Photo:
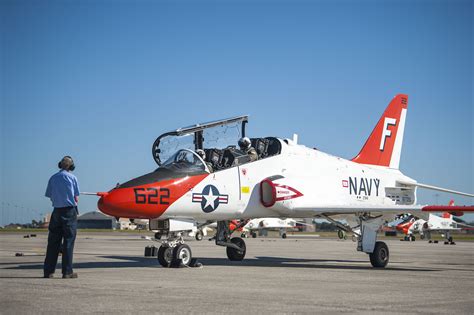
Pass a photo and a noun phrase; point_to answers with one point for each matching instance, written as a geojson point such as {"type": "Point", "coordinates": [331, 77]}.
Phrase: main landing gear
{"type": "Point", "coordinates": [365, 234]}
{"type": "Point", "coordinates": [235, 246]}
{"type": "Point", "coordinates": [448, 239]}
{"type": "Point", "coordinates": [379, 257]}
{"type": "Point", "coordinates": [173, 251]}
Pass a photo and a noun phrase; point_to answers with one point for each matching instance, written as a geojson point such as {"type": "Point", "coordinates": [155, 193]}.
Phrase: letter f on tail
{"type": "Point", "coordinates": [384, 145]}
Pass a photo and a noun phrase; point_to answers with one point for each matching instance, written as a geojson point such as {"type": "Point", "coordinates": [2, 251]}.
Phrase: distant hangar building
{"type": "Point", "coordinates": [96, 220]}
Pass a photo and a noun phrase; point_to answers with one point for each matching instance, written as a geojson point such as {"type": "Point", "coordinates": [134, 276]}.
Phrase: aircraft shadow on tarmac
{"type": "Point", "coordinates": [280, 262]}
{"type": "Point", "coordinates": [285, 262]}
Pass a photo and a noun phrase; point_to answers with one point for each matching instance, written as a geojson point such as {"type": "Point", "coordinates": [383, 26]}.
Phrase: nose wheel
{"type": "Point", "coordinates": [181, 255]}
{"type": "Point", "coordinates": [165, 255]}
{"type": "Point", "coordinates": [177, 256]}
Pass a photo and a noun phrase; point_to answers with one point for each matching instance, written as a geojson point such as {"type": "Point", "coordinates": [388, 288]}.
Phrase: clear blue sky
{"type": "Point", "coordinates": [100, 80]}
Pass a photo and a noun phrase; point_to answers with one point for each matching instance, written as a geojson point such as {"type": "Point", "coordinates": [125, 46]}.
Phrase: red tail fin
{"type": "Point", "coordinates": [384, 145]}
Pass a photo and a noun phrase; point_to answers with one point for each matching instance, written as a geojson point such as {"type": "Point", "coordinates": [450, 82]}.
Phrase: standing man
{"type": "Point", "coordinates": [63, 190]}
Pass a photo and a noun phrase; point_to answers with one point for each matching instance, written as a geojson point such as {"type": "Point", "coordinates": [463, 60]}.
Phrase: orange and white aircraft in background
{"type": "Point", "coordinates": [288, 180]}
{"type": "Point", "coordinates": [409, 225]}
{"type": "Point", "coordinates": [282, 225]}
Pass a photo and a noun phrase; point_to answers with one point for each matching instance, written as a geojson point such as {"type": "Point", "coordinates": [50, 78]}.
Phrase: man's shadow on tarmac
{"type": "Point", "coordinates": [259, 261]}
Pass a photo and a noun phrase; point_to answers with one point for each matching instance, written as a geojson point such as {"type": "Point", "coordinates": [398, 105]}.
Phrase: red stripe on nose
{"type": "Point", "coordinates": [146, 201]}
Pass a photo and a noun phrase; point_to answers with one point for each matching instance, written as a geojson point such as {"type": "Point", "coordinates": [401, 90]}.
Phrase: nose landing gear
{"type": "Point", "coordinates": [173, 252]}
{"type": "Point", "coordinates": [165, 255]}
{"type": "Point", "coordinates": [182, 256]}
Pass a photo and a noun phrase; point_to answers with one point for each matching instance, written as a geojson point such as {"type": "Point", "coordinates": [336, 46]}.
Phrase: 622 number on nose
{"type": "Point", "coordinates": [151, 196]}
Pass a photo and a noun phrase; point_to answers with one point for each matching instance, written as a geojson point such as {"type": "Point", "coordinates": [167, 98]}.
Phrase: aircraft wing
{"type": "Point", "coordinates": [351, 209]}
{"type": "Point", "coordinates": [412, 184]}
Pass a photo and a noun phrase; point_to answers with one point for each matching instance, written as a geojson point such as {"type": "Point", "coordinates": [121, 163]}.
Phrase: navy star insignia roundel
{"type": "Point", "coordinates": [210, 198]}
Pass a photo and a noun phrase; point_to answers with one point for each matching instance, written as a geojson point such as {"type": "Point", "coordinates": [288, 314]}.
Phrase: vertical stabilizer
{"type": "Point", "coordinates": [384, 145]}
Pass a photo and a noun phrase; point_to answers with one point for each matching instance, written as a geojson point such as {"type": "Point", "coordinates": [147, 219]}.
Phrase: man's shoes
{"type": "Point", "coordinates": [48, 275]}
{"type": "Point", "coordinates": [70, 276]}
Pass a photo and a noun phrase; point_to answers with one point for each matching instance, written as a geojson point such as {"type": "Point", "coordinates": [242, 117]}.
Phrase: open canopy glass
{"type": "Point", "coordinates": [215, 134]}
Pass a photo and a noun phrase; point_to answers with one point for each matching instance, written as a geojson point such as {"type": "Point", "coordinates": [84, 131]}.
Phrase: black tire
{"type": "Point", "coordinates": [157, 235]}
{"type": "Point", "coordinates": [235, 254]}
{"type": "Point", "coordinates": [412, 238]}
{"type": "Point", "coordinates": [254, 235]}
{"type": "Point", "coordinates": [283, 235]}
{"type": "Point", "coordinates": [379, 258]}
{"type": "Point", "coordinates": [165, 255]}
{"type": "Point", "coordinates": [182, 255]}
{"type": "Point", "coordinates": [199, 236]}
{"type": "Point", "coordinates": [243, 235]}
{"type": "Point", "coordinates": [341, 234]}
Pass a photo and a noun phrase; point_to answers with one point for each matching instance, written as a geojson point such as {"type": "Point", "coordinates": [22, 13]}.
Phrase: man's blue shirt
{"type": "Point", "coordinates": [62, 188]}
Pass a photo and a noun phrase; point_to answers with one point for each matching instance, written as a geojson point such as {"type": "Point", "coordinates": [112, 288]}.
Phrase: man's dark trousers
{"type": "Point", "coordinates": [63, 225]}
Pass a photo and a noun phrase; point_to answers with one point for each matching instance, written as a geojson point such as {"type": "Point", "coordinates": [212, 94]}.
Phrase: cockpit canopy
{"type": "Point", "coordinates": [185, 160]}
{"type": "Point", "coordinates": [218, 139]}
{"type": "Point", "coordinates": [217, 134]}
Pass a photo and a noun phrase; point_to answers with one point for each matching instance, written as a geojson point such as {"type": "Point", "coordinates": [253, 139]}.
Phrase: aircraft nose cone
{"type": "Point", "coordinates": [104, 205]}
{"type": "Point", "coordinates": [132, 202]}
{"type": "Point", "coordinates": [110, 204]}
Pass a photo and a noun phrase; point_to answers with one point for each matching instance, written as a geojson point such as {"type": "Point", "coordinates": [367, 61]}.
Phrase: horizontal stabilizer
{"type": "Point", "coordinates": [448, 208]}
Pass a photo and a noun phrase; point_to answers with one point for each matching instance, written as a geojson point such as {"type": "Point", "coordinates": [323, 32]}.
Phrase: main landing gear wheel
{"type": "Point", "coordinates": [199, 236]}
{"type": "Point", "coordinates": [379, 258]}
{"type": "Point", "coordinates": [181, 256]}
{"type": "Point", "coordinates": [165, 255]}
{"type": "Point", "coordinates": [283, 235]}
{"type": "Point", "coordinates": [235, 254]}
{"type": "Point", "coordinates": [254, 235]}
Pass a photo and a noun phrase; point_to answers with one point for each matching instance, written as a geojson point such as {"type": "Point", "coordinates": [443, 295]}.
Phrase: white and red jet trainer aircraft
{"type": "Point", "coordinates": [410, 224]}
{"type": "Point", "coordinates": [282, 225]}
{"type": "Point", "coordinates": [287, 181]}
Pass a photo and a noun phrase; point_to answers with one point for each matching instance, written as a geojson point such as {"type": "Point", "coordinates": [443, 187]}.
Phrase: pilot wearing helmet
{"type": "Point", "coordinates": [246, 146]}
{"type": "Point", "coordinates": [202, 154]}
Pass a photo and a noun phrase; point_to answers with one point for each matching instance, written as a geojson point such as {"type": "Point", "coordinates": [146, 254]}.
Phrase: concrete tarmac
{"type": "Point", "coordinates": [293, 275]}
